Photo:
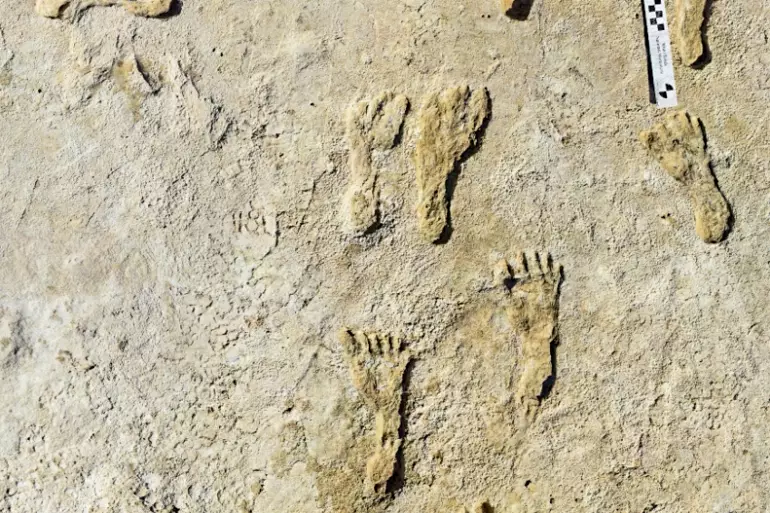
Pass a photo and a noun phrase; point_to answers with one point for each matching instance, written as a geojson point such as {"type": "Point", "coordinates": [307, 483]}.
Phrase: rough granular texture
{"type": "Point", "coordinates": [181, 245]}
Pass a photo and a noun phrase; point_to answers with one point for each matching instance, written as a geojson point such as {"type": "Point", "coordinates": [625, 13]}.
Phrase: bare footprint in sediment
{"type": "Point", "coordinates": [532, 309]}
{"type": "Point", "coordinates": [144, 8]}
{"type": "Point", "coordinates": [679, 144]}
{"type": "Point", "coordinates": [449, 126]}
{"type": "Point", "coordinates": [688, 26]}
{"type": "Point", "coordinates": [377, 364]}
{"type": "Point", "coordinates": [371, 125]}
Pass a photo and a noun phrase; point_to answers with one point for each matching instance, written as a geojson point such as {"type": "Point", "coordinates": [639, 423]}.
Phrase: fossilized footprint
{"type": "Point", "coordinates": [146, 8]}
{"type": "Point", "coordinates": [377, 363]}
{"type": "Point", "coordinates": [449, 125]}
{"type": "Point", "coordinates": [371, 125]}
{"type": "Point", "coordinates": [533, 312]}
{"type": "Point", "coordinates": [678, 143]}
{"type": "Point", "coordinates": [688, 22]}
{"type": "Point", "coordinates": [516, 9]}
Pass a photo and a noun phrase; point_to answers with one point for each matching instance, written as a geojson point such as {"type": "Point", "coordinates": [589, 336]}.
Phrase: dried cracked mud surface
{"type": "Point", "coordinates": [219, 291]}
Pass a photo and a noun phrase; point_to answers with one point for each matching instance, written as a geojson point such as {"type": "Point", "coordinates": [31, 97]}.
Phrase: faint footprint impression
{"type": "Point", "coordinates": [145, 8]}
{"type": "Point", "coordinates": [449, 125]}
{"type": "Point", "coordinates": [679, 144]}
{"type": "Point", "coordinates": [371, 125]}
{"type": "Point", "coordinates": [532, 308]}
{"type": "Point", "coordinates": [254, 230]}
{"type": "Point", "coordinates": [377, 363]}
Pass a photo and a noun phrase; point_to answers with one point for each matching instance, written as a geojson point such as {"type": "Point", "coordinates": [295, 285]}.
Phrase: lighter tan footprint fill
{"type": "Point", "coordinates": [678, 143]}
{"type": "Point", "coordinates": [377, 363]}
{"type": "Point", "coordinates": [371, 125]}
{"type": "Point", "coordinates": [145, 8]}
{"type": "Point", "coordinates": [449, 124]}
{"type": "Point", "coordinates": [688, 23]}
{"type": "Point", "coordinates": [532, 309]}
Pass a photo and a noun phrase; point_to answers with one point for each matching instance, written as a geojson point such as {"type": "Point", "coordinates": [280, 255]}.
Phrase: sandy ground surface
{"type": "Point", "coordinates": [178, 257]}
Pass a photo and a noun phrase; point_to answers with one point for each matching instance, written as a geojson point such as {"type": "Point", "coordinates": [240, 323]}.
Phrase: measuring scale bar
{"type": "Point", "coordinates": [659, 46]}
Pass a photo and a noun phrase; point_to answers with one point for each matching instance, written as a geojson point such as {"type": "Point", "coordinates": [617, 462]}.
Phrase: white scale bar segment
{"type": "Point", "coordinates": [659, 44]}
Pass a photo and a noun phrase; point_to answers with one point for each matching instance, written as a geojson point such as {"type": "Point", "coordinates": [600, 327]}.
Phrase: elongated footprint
{"type": "Point", "coordinates": [371, 125]}
{"type": "Point", "coordinates": [377, 363]}
{"type": "Point", "coordinates": [144, 8]}
{"type": "Point", "coordinates": [533, 312]}
{"type": "Point", "coordinates": [688, 26]}
{"type": "Point", "coordinates": [679, 145]}
{"type": "Point", "coordinates": [449, 125]}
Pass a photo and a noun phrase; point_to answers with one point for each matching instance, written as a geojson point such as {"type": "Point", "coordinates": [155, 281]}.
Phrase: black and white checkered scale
{"type": "Point", "coordinates": [657, 19]}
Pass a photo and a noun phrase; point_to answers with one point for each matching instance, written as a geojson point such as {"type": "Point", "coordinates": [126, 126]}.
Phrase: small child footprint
{"type": "Point", "coordinates": [449, 124]}
{"type": "Point", "coordinates": [377, 363]}
{"type": "Point", "coordinates": [678, 143]}
{"type": "Point", "coordinates": [533, 312]}
{"type": "Point", "coordinates": [371, 125]}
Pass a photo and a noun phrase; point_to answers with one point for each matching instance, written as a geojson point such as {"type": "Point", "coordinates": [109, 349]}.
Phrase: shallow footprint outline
{"type": "Point", "coordinates": [679, 144]}
{"type": "Point", "coordinates": [377, 363]}
{"type": "Point", "coordinates": [371, 125]}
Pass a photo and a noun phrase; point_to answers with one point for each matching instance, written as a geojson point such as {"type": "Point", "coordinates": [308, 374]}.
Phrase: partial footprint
{"type": "Point", "coordinates": [679, 144]}
{"type": "Point", "coordinates": [688, 23]}
{"type": "Point", "coordinates": [145, 8]}
{"type": "Point", "coordinates": [480, 507]}
{"type": "Point", "coordinates": [516, 9]}
{"type": "Point", "coordinates": [254, 231]}
{"type": "Point", "coordinates": [449, 125]}
{"type": "Point", "coordinates": [533, 311]}
{"type": "Point", "coordinates": [377, 364]}
{"type": "Point", "coordinates": [132, 83]}
{"type": "Point", "coordinates": [50, 8]}
{"type": "Point", "coordinates": [371, 125]}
